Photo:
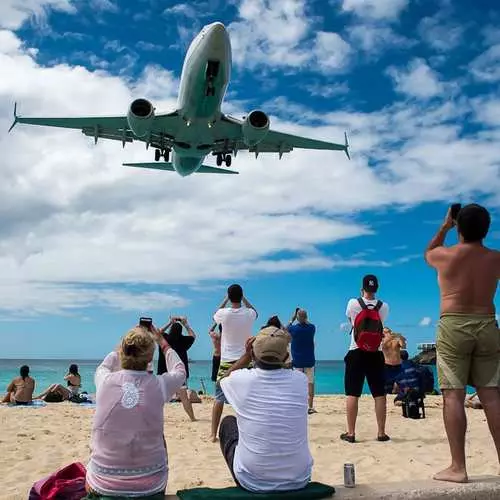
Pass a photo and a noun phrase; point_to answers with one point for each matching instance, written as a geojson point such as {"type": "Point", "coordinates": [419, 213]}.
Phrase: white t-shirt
{"type": "Point", "coordinates": [353, 309]}
{"type": "Point", "coordinates": [237, 323]}
{"type": "Point", "coordinates": [272, 453]}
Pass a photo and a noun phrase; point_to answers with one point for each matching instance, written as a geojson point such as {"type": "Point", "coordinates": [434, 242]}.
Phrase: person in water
{"type": "Point", "coordinates": [57, 392]}
{"type": "Point", "coordinates": [20, 390]}
{"type": "Point", "coordinates": [180, 344]}
{"type": "Point", "coordinates": [129, 454]}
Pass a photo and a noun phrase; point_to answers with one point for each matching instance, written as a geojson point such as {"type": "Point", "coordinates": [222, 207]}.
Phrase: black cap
{"type": "Point", "coordinates": [370, 283]}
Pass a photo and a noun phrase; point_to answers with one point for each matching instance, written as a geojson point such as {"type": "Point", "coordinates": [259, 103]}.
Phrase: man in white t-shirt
{"type": "Point", "coordinates": [361, 364]}
{"type": "Point", "coordinates": [266, 445]}
{"type": "Point", "coordinates": [236, 322]}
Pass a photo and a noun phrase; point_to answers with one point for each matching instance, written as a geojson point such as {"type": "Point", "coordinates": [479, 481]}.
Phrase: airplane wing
{"type": "Point", "coordinates": [230, 137]}
{"type": "Point", "coordinates": [111, 127]}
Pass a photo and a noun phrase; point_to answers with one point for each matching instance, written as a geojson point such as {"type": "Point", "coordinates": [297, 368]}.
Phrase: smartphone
{"type": "Point", "coordinates": [146, 322]}
{"type": "Point", "coordinates": [455, 208]}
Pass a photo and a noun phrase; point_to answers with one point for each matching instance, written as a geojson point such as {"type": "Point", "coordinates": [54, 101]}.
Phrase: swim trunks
{"type": "Point", "coordinates": [468, 351]}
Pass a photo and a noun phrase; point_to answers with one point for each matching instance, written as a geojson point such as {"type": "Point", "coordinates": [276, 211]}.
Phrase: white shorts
{"type": "Point", "coordinates": [309, 372]}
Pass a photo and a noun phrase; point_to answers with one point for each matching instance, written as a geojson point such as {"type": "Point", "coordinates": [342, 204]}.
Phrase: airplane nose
{"type": "Point", "coordinates": [217, 33]}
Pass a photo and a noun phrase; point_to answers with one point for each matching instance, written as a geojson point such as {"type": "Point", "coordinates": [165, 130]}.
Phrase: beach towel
{"type": "Point", "coordinates": [36, 403]}
{"type": "Point", "coordinates": [313, 491]}
{"type": "Point", "coordinates": [67, 483]}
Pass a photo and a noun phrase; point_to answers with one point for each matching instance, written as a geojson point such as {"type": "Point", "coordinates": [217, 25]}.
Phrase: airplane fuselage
{"type": "Point", "coordinates": [204, 80]}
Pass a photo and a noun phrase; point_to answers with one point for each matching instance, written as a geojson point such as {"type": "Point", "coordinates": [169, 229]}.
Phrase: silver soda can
{"type": "Point", "coordinates": [349, 476]}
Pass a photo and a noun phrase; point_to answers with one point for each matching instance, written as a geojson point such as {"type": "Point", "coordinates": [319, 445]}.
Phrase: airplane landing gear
{"type": "Point", "coordinates": [159, 153]}
{"type": "Point", "coordinates": [223, 159]}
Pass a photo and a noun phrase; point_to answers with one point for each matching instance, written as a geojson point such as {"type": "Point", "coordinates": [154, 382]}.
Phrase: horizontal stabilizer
{"type": "Point", "coordinates": [158, 165]}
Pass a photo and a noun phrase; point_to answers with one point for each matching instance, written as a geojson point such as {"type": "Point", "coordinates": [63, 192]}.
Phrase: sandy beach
{"type": "Point", "coordinates": [36, 442]}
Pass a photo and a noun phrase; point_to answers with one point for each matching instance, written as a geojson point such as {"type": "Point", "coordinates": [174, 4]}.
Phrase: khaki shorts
{"type": "Point", "coordinates": [468, 351]}
{"type": "Point", "coordinates": [309, 372]}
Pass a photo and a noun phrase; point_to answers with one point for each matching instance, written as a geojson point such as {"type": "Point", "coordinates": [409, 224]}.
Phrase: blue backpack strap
{"type": "Point", "coordinates": [361, 302]}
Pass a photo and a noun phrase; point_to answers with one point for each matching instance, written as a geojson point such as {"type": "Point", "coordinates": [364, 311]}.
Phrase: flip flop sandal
{"type": "Point", "coordinates": [346, 437]}
{"type": "Point", "coordinates": [385, 437]}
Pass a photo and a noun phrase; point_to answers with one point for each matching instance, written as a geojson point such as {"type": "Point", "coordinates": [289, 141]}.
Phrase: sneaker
{"type": "Point", "coordinates": [349, 439]}
{"type": "Point", "coordinates": [310, 411]}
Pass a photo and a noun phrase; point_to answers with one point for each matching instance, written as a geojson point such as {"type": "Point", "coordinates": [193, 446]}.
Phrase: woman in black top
{"type": "Point", "coordinates": [180, 344]}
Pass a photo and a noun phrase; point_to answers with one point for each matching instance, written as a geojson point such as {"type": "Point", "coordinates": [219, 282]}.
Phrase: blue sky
{"type": "Point", "coordinates": [87, 246]}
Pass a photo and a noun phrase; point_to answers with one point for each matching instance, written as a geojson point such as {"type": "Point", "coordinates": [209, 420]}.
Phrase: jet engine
{"type": "Point", "coordinates": [140, 117]}
{"type": "Point", "coordinates": [255, 127]}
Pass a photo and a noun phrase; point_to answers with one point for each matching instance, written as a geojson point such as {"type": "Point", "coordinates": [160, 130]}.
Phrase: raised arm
{"type": "Point", "coordinates": [170, 381]}
{"type": "Point", "coordinates": [222, 305]}
{"type": "Point", "coordinates": [188, 328]}
{"type": "Point", "coordinates": [110, 363]}
{"type": "Point", "coordinates": [435, 250]}
{"type": "Point", "coordinates": [250, 306]}
{"type": "Point", "coordinates": [293, 318]}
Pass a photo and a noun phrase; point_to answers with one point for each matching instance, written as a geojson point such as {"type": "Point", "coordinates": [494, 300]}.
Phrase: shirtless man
{"type": "Point", "coordinates": [468, 339]}
{"type": "Point", "coordinates": [20, 390]}
{"type": "Point", "coordinates": [392, 344]}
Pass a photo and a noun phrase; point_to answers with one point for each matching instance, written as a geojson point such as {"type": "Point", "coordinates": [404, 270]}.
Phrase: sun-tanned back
{"type": "Point", "coordinates": [468, 276]}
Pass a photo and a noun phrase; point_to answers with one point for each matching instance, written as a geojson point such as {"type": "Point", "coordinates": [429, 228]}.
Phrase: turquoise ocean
{"type": "Point", "coordinates": [329, 376]}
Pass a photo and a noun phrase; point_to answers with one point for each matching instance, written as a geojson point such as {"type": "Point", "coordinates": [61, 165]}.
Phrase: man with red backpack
{"type": "Point", "coordinates": [365, 358]}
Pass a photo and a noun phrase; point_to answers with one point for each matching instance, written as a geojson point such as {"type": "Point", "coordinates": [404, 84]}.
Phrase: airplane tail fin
{"type": "Point", "coordinates": [167, 166]}
{"type": "Point", "coordinates": [15, 117]}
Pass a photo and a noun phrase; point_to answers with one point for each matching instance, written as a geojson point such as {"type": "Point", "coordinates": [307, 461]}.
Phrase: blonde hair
{"type": "Point", "coordinates": [137, 349]}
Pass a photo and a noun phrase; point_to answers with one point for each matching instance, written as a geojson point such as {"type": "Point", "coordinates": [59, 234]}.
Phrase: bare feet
{"type": "Point", "coordinates": [213, 438]}
{"type": "Point", "coordinates": [453, 475]}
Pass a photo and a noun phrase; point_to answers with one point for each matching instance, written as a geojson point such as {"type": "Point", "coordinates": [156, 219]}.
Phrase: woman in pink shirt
{"type": "Point", "coordinates": [129, 455]}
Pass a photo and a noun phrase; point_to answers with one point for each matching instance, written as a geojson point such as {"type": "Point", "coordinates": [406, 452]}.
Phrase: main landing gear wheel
{"type": "Point", "coordinates": [228, 160]}
{"type": "Point", "coordinates": [157, 154]}
{"type": "Point", "coordinates": [219, 160]}
{"type": "Point", "coordinates": [166, 155]}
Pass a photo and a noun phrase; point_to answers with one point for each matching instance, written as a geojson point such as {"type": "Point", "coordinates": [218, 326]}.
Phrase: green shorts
{"type": "Point", "coordinates": [468, 351]}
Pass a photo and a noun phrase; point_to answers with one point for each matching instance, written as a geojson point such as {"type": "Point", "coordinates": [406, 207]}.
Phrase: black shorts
{"type": "Point", "coordinates": [360, 364]}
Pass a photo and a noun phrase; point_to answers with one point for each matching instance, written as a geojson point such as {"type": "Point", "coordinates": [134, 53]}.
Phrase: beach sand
{"type": "Point", "coordinates": [36, 442]}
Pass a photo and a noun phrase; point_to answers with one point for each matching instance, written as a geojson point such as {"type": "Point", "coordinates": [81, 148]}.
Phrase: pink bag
{"type": "Point", "coordinates": [67, 483]}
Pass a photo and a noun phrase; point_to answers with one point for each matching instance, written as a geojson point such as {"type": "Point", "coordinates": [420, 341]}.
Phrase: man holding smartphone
{"type": "Point", "coordinates": [468, 339]}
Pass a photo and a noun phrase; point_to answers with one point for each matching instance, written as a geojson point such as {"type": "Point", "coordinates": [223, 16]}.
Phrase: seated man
{"type": "Point", "coordinates": [407, 380]}
{"type": "Point", "coordinates": [266, 446]}
{"type": "Point", "coordinates": [20, 390]}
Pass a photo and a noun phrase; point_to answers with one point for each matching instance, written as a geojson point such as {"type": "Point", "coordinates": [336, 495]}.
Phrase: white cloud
{"type": "Point", "coordinates": [103, 6]}
{"type": "Point", "coordinates": [13, 13]}
{"type": "Point", "coordinates": [285, 39]}
{"type": "Point", "coordinates": [70, 213]}
{"type": "Point", "coordinates": [331, 51]}
{"type": "Point", "coordinates": [32, 299]}
{"type": "Point", "coordinates": [376, 9]}
{"type": "Point", "coordinates": [486, 67]}
{"type": "Point", "coordinates": [142, 45]}
{"type": "Point", "coordinates": [439, 33]}
{"type": "Point", "coordinates": [374, 38]}
{"type": "Point", "coordinates": [425, 321]}
{"type": "Point", "coordinates": [345, 327]}
{"type": "Point", "coordinates": [183, 9]}
{"type": "Point", "coordinates": [417, 80]}
{"type": "Point", "coordinates": [487, 111]}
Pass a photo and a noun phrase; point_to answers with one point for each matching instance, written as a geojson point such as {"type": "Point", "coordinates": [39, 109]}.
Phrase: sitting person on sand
{"type": "Point", "coordinates": [266, 445]}
{"type": "Point", "coordinates": [20, 390]}
{"type": "Point", "coordinates": [407, 380]}
{"type": "Point", "coordinates": [392, 344]}
{"type": "Point", "coordinates": [180, 344]}
{"type": "Point", "coordinates": [57, 392]}
{"type": "Point", "coordinates": [129, 455]}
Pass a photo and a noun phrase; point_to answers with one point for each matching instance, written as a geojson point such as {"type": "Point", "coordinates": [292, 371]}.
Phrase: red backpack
{"type": "Point", "coordinates": [368, 327]}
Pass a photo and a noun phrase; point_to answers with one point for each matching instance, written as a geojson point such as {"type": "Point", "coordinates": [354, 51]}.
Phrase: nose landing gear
{"type": "Point", "coordinates": [162, 152]}
{"type": "Point", "coordinates": [221, 158]}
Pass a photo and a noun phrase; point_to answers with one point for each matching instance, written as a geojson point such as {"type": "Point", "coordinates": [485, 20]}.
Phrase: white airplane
{"type": "Point", "coordinates": [197, 127]}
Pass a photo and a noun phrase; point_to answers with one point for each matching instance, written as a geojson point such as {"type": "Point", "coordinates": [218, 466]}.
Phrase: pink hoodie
{"type": "Point", "coordinates": [128, 455]}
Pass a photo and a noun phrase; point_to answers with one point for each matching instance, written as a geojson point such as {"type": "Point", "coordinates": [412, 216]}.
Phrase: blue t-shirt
{"type": "Point", "coordinates": [302, 345]}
